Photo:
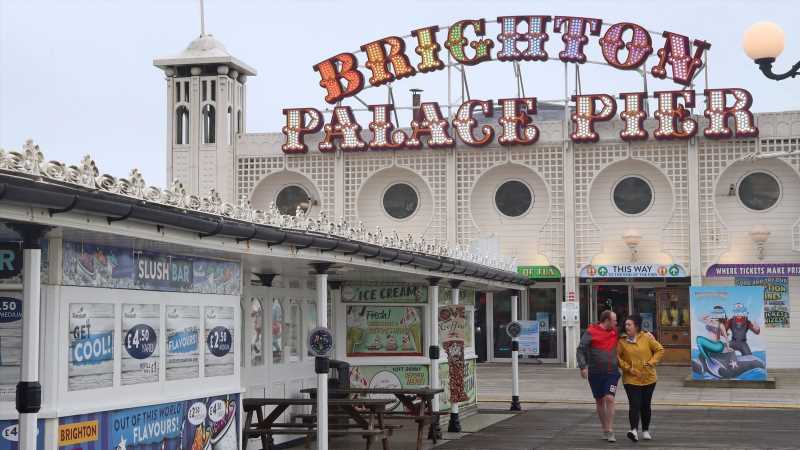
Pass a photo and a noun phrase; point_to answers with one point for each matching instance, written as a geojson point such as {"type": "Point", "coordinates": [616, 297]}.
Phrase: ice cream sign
{"type": "Point", "coordinates": [633, 271]}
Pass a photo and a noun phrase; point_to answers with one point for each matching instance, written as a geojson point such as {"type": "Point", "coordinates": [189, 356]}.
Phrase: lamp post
{"type": "Point", "coordinates": [763, 43]}
{"type": "Point", "coordinates": [632, 238]}
{"type": "Point", "coordinates": [759, 234]}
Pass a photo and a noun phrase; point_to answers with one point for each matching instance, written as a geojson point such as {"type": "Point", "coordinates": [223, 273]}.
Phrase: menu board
{"type": "Point", "coordinates": [91, 346]}
{"type": "Point", "coordinates": [10, 345]}
{"type": "Point", "coordinates": [219, 355]}
{"type": "Point", "coordinates": [374, 330]}
{"type": "Point", "coordinates": [183, 337]}
{"type": "Point", "coordinates": [141, 330]}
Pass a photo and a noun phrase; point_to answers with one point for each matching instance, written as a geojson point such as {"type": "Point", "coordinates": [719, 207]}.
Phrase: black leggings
{"type": "Point", "coordinates": [639, 398]}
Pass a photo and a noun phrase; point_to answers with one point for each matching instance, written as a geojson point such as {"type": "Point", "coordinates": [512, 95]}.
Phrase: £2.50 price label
{"type": "Point", "coordinates": [219, 341]}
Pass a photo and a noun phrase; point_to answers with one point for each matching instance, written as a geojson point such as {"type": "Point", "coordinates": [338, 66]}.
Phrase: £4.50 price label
{"type": "Point", "coordinates": [141, 341]}
{"type": "Point", "coordinates": [219, 341]}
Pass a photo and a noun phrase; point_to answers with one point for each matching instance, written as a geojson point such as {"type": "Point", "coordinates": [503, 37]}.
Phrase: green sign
{"type": "Point", "coordinates": [539, 272]}
{"type": "Point", "coordinates": [470, 385]}
{"type": "Point", "coordinates": [389, 377]}
{"type": "Point", "coordinates": [374, 330]}
{"type": "Point", "coordinates": [384, 293]}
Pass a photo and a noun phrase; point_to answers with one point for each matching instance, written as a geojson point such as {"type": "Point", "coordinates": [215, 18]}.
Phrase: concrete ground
{"type": "Point", "coordinates": [556, 384]}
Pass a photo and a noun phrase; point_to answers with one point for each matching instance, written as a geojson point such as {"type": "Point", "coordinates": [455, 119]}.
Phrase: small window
{"type": "Point", "coordinates": [292, 197]}
{"type": "Point", "coordinates": [277, 331]}
{"type": "Point", "coordinates": [239, 122]}
{"type": "Point", "coordinates": [513, 198]}
{"type": "Point", "coordinates": [633, 195]}
{"type": "Point", "coordinates": [205, 90]}
{"type": "Point", "coordinates": [230, 126]}
{"type": "Point", "coordinates": [182, 125]}
{"type": "Point", "coordinates": [209, 125]}
{"type": "Point", "coordinates": [186, 91]}
{"type": "Point", "coordinates": [177, 91]}
{"type": "Point", "coordinates": [400, 201]}
{"type": "Point", "coordinates": [213, 91]}
{"type": "Point", "coordinates": [295, 326]}
{"type": "Point", "coordinates": [759, 191]}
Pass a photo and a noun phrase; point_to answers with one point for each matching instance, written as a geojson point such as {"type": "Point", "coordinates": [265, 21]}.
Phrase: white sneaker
{"type": "Point", "coordinates": [611, 437]}
{"type": "Point", "coordinates": [632, 435]}
{"type": "Point", "coordinates": [646, 435]}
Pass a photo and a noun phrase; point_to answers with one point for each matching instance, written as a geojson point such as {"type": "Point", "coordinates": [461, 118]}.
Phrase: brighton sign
{"type": "Point", "coordinates": [522, 38]}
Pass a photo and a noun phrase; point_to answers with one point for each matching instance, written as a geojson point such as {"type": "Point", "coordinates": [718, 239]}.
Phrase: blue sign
{"type": "Point", "coordinates": [141, 341]}
{"type": "Point", "coordinates": [220, 341]}
{"type": "Point", "coordinates": [93, 348]}
{"type": "Point", "coordinates": [10, 309]}
{"type": "Point", "coordinates": [9, 434]}
{"type": "Point", "coordinates": [10, 259]}
{"type": "Point", "coordinates": [529, 337]}
{"type": "Point", "coordinates": [184, 341]}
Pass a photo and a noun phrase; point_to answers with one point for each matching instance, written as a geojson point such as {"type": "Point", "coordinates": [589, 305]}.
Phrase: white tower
{"type": "Point", "coordinates": [205, 115]}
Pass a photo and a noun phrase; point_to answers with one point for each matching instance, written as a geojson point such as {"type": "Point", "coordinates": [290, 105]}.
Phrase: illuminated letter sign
{"type": "Point", "coordinates": [639, 48]}
{"type": "Point", "coordinates": [333, 70]}
{"type": "Point", "coordinates": [535, 37]}
{"type": "Point", "coordinates": [456, 42]}
{"type": "Point", "coordinates": [574, 36]}
{"type": "Point", "coordinates": [677, 54]}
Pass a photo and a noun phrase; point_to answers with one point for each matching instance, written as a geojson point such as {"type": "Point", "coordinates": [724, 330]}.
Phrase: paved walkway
{"type": "Point", "coordinates": [556, 384]}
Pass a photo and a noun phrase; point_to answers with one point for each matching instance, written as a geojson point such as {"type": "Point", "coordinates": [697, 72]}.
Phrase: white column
{"type": "Point", "coordinates": [693, 169]}
{"type": "Point", "coordinates": [515, 406]}
{"type": "Point", "coordinates": [29, 373]}
{"type": "Point", "coordinates": [433, 301]}
{"type": "Point", "coordinates": [455, 293]}
{"type": "Point", "coordinates": [570, 257]}
{"type": "Point", "coordinates": [322, 378]}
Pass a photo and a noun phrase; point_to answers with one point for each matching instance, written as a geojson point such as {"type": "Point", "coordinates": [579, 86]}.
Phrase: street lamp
{"type": "Point", "coordinates": [763, 42]}
{"type": "Point", "coordinates": [632, 238]}
{"type": "Point", "coordinates": [759, 234]}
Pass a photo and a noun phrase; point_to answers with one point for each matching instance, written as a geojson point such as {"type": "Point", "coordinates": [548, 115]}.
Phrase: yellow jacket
{"type": "Point", "coordinates": [640, 356]}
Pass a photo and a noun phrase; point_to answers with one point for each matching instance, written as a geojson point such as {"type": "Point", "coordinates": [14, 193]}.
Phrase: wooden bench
{"type": "Point", "coordinates": [288, 429]}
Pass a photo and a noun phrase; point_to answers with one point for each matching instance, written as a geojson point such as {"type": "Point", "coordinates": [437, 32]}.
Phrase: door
{"type": "Point", "coordinates": [480, 327]}
{"type": "Point", "coordinates": [543, 306]}
{"type": "Point", "coordinates": [501, 315]}
{"type": "Point", "coordinates": [613, 297]}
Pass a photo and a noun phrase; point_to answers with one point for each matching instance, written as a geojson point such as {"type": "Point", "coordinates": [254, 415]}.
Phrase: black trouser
{"type": "Point", "coordinates": [639, 398]}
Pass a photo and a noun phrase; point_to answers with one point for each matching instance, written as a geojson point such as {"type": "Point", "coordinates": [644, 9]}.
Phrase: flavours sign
{"type": "Point", "coordinates": [625, 46]}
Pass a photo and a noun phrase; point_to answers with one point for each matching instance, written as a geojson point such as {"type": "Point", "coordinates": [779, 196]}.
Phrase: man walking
{"type": "Point", "coordinates": [597, 359]}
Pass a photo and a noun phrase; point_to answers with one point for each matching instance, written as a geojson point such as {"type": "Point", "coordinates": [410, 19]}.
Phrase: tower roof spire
{"type": "Point", "coordinates": [202, 20]}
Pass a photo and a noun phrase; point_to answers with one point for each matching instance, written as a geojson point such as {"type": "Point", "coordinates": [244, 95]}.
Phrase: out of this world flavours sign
{"type": "Point", "coordinates": [625, 46]}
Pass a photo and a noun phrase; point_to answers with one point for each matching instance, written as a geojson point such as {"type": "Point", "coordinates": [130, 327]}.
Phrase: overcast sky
{"type": "Point", "coordinates": [77, 75]}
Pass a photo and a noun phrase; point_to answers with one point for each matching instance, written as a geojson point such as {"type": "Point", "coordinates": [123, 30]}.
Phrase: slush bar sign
{"type": "Point", "coordinates": [10, 259]}
{"type": "Point", "coordinates": [520, 39]}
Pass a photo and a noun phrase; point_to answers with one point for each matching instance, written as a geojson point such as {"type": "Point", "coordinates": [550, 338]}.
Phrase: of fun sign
{"type": "Point", "coordinates": [521, 39]}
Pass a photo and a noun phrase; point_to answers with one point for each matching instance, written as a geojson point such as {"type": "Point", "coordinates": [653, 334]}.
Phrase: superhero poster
{"type": "Point", "coordinates": [728, 333]}
{"type": "Point", "coordinates": [203, 424]}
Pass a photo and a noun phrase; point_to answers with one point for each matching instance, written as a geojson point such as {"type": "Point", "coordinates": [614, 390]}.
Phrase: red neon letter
{"type": "Point", "coordinates": [718, 114]}
{"type": "Point", "coordinates": [332, 70]}
{"type": "Point", "coordinates": [464, 123]}
{"type": "Point", "coordinates": [674, 120]}
{"type": "Point", "coordinates": [516, 121]}
{"type": "Point", "coordinates": [343, 126]}
{"type": "Point", "coordinates": [676, 53]}
{"type": "Point", "coordinates": [633, 116]}
{"type": "Point", "coordinates": [586, 115]}
{"type": "Point", "coordinates": [428, 49]}
{"type": "Point", "coordinates": [574, 36]}
{"type": "Point", "coordinates": [378, 61]}
{"type": "Point", "coordinates": [299, 122]}
{"type": "Point", "coordinates": [639, 48]}
{"type": "Point", "coordinates": [383, 138]}
{"type": "Point", "coordinates": [535, 36]}
{"type": "Point", "coordinates": [456, 42]}
{"type": "Point", "coordinates": [433, 125]}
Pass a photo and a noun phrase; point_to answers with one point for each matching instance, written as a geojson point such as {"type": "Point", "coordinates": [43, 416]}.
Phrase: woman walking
{"type": "Point", "coordinates": [639, 352]}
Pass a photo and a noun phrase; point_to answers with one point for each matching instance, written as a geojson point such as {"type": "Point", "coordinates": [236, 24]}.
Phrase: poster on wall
{"type": "Point", "coordinates": [91, 346]}
{"type": "Point", "coordinates": [529, 338]}
{"type": "Point", "coordinates": [9, 434]}
{"type": "Point", "coordinates": [469, 382]}
{"type": "Point", "coordinates": [202, 424]}
{"type": "Point", "coordinates": [401, 293]}
{"type": "Point", "coordinates": [384, 330]}
{"type": "Point", "coordinates": [219, 355]}
{"type": "Point", "coordinates": [727, 338]}
{"type": "Point", "coordinates": [452, 326]}
{"type": "Point", "coordinates": [141, 328]}
{"type": "Point", "coordinates": [776, 298]}
{"type": "Point", "coordinates": [183, 342]}
{"type": "Point", "coordinates": [10, 344]}
{"type": "Point", "coordinates": [389, 377]}
{"type": "Point", "coordinates": [256, 314]}
{"type": "Point", "coordinates": [98, 266]}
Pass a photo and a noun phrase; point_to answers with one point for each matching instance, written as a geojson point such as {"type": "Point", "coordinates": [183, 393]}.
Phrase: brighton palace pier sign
{"type": "Point", "coordinates": [522, 38]}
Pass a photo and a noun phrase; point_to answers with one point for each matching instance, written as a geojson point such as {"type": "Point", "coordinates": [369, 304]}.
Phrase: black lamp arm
{"type": "Point", "coordinates": [765, 64]}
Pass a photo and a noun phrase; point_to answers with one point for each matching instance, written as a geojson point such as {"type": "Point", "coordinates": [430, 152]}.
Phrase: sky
{"type": "Point", "coordinates": [77, 76]}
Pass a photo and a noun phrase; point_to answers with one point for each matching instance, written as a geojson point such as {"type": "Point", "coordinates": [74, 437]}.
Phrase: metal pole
{"type": "Point", "coordinates": [454, 426]}
{"type": "Point", "coordinates": [29, 391]}
{"type": "Point", "coordinates": [433, 354]}
{"type": "Point", "coordinates": [322, 364]}
{"type": "Point", "coordinates": [515, 406]}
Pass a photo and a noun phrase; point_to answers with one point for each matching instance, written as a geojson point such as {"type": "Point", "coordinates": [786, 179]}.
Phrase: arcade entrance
{"type": "Point", "coordinates": [664, 309]}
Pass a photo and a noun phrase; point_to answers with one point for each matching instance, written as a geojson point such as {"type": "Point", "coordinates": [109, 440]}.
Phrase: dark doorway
{"type": "Point", "coordinates": [480, 327]}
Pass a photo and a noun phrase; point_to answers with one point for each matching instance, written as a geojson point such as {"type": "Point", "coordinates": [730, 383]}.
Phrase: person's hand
{"type": "Point", "coordinates": [635, 372]}
{"type": "Point", "coordinates": [585, 373]}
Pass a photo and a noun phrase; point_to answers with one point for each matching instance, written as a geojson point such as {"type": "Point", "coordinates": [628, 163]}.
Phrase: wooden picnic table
{"type": "Point", "coordinates": [417, 401]}
{"type": "Point", "coordinates": [266, 427]}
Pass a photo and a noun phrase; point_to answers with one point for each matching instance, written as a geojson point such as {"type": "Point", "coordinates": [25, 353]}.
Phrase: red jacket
{"type": "Point", "coordinates": [598, 350]}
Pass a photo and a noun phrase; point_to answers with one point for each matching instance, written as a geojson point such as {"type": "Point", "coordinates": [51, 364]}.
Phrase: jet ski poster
{"type": "Point", "coordinates": [728, 333]}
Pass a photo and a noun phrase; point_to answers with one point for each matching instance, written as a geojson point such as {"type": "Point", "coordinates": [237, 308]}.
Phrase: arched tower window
{"type": "Point", "coordinates": [239, 122]}
{"type": "Point", "coordinates": [230, 126]}
{"type": "Point", "coordinates": [182, 125]}
{"type": "Point", "coordinates": [209, 116]}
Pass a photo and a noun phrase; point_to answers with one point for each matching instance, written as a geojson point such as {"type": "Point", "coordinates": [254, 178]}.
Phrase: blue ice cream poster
{"type": "Point", "coordinates": [728, 340]}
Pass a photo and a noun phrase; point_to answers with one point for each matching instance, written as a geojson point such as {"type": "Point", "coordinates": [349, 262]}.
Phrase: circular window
{"type": "Point", "coordinates": [633, 195]}
{"type": "Point", "coordinates": [759, 191]}
{"type": "Point", "coordinates": [292, 197]}
{"type": "Point", "coordinates": [400, 201]}
{"type": "Point", "coordinates": [513, 198]}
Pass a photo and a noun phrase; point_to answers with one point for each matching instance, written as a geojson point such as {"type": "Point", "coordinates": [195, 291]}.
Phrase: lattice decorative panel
{"type": "Point", "coordinates": [471, 165]}
{"type": "Point", "coordinates": [787, 145]}
{"type": "Point", "coordinates": [590, 159]}
{"type": "Point", "coordinates": [430, 165]}
{"type": "Point", "coordinates": [671, 158]}
{"type": "Point", "coordinates": [715, 157]}
{"type": "Point", "coordinates": [317, 168]}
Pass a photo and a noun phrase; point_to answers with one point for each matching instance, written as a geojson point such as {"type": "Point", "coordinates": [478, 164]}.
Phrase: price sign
{"type": "Point", "coordinates": [217, 410]}
{"type": "Point", "coordinates": [196, 413]}
{"type": "Point", "coordinates": [219, 341]}
{"type": "Point", "coordinates": [320, 341]}
{"type": "Point", "coordinates": [514, 329]}
{"type": "Point", "coordinates": [141, 341]}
